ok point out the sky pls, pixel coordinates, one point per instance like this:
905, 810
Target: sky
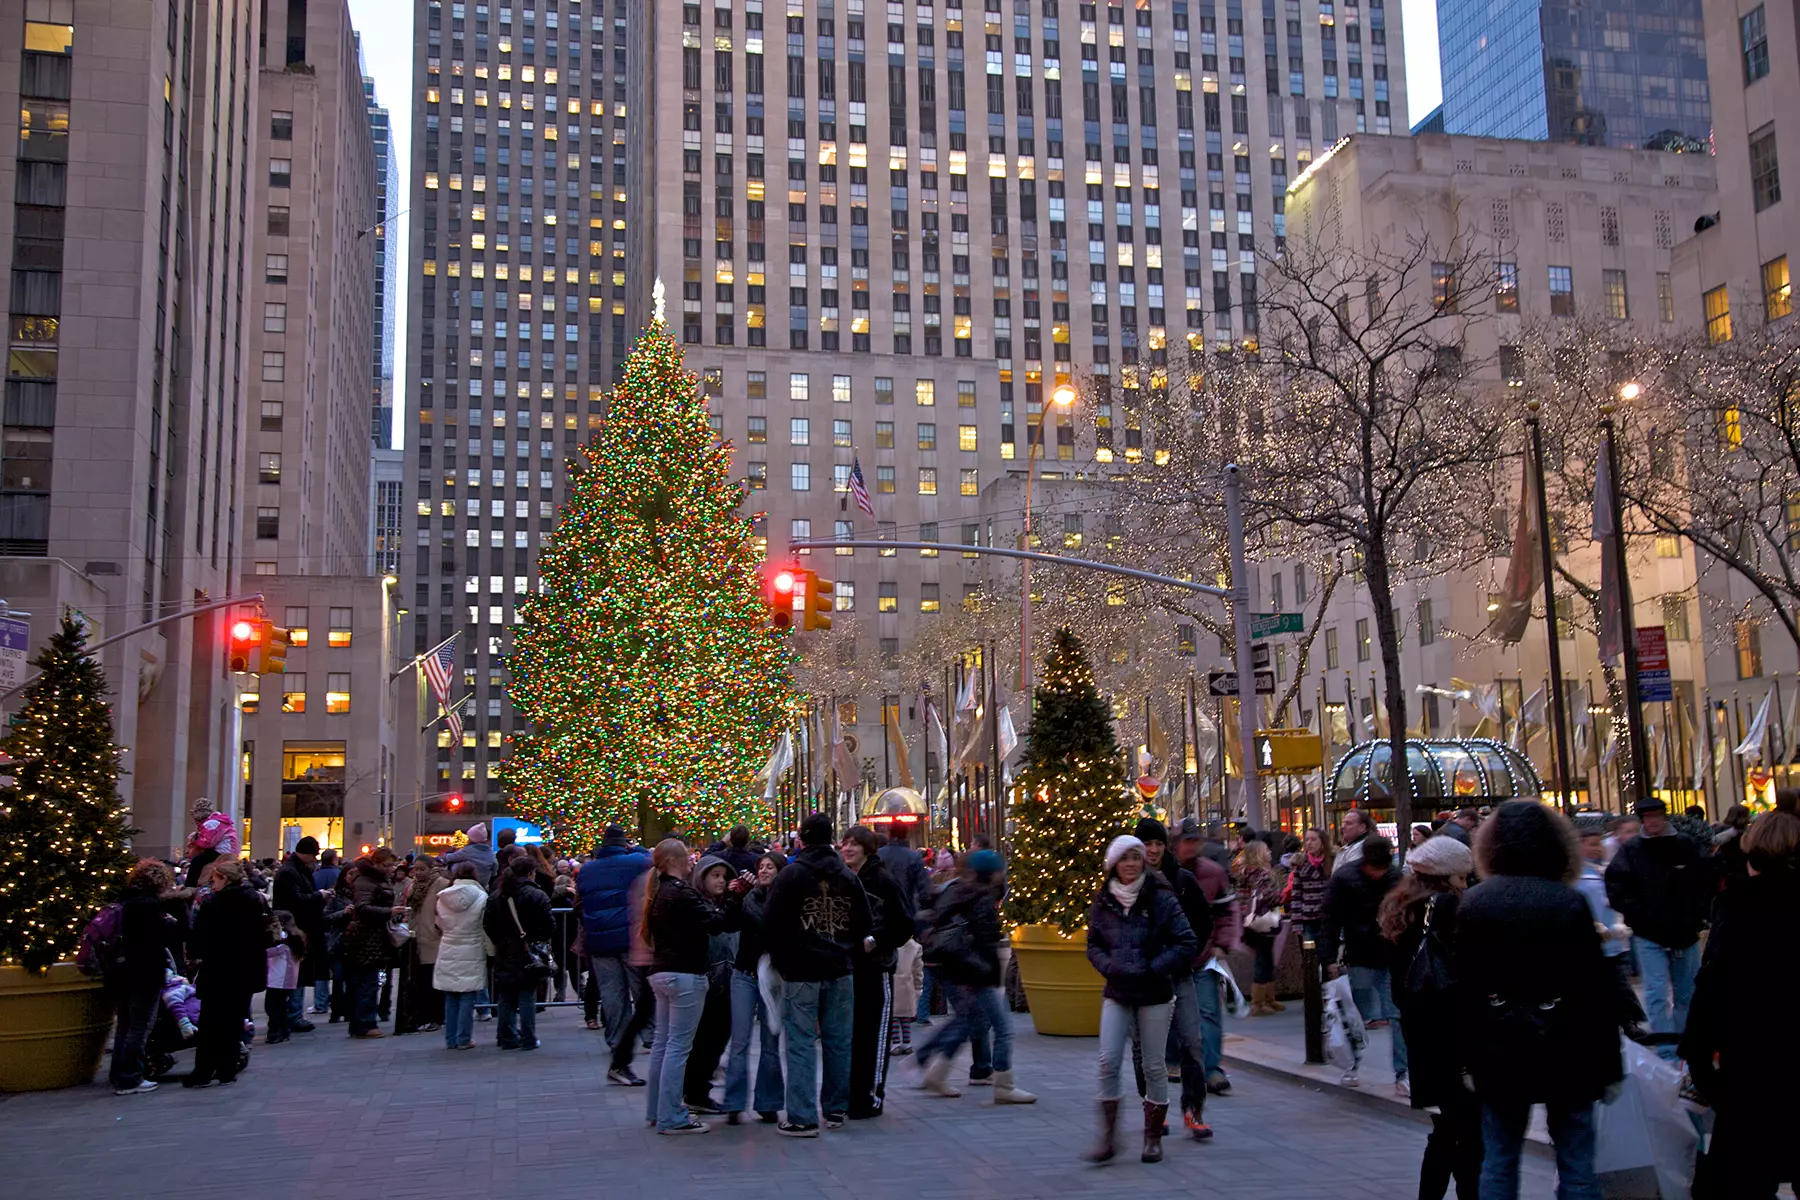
386, 28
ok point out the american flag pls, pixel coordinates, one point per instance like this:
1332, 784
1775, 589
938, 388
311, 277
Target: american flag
437, 666
453, 722
859, 487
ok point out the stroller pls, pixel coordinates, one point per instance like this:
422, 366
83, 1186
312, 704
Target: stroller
177, 1026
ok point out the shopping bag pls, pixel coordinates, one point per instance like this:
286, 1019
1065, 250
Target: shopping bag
1645, 1140
1345, 1035
1231, 996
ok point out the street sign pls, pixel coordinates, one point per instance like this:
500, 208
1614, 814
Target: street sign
1259, 656
15, 645
1264, 625
1288, 750
1225, 683
1653, 665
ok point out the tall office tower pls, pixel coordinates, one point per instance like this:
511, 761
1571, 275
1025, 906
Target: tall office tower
381, 223
971, 205
1627, 73
124, 420
516, 290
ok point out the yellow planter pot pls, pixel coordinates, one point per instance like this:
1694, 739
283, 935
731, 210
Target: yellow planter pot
1060, 984
52, 1028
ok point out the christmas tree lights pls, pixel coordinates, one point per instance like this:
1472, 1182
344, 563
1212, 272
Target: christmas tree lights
1073, 796
62, 829
645, 662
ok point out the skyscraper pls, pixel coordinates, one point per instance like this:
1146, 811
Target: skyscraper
516, 289
381, 223
1627, 73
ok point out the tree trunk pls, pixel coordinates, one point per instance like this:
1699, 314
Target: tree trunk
1387, 634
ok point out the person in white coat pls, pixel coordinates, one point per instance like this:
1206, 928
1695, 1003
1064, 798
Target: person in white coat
461, 969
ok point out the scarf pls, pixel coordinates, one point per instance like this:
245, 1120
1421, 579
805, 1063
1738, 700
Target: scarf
1125, 893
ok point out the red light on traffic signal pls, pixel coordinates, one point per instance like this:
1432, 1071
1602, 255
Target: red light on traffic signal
455, 803
784, 583
243, 631
246, 635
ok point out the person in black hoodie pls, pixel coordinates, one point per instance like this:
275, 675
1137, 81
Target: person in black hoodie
232, 935
746, 902
147, 938
1661, 888
1352, 904
892, 912
1139, 940
1540, 1022
816, 924
517, 914
678, 924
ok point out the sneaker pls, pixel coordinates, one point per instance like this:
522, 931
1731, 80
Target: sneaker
275, 1039
1349, 1078
789, 1129
690, 1127
1218, 1083
769, 1118
622, 1077
734, 1118
1174, 1074
834, 1120
1197, 1129
1378, 1023
1402, 1087
704, 1108
147, 1085
319, 1011
533, 1044
899, 1051
303, 1027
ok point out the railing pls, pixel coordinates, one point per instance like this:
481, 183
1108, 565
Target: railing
566, 979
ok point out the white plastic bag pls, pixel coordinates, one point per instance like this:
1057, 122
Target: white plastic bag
1232, 995
1345, 1035
1645, 1141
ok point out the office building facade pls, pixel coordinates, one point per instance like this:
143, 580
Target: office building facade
383, 227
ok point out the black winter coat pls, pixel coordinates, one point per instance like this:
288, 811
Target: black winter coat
681, 921
1192, 898
1429, 1018
1540, 1023
907, 867
977, 905
1351, 912
148, 937
372, 901
817, 917
296, 893
1142, 951
892, 913
744, 916
231, 940
510, 954
1662, 888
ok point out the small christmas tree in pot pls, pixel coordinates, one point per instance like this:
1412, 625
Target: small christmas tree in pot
1072, 802
63, 855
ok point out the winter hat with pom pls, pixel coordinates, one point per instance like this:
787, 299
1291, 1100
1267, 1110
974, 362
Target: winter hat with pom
1120, 847
1442, 856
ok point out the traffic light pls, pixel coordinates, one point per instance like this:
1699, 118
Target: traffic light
246, 635
816, 603
274, 649
448, 804
780, 586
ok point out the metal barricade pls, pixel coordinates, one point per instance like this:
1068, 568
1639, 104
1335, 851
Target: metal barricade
570, 976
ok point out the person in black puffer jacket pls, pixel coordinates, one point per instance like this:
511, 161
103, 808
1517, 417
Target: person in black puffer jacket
515, 984
892, 913
963, 948
749, 1012
148, 937
1662, 888
373, 902
1540, 1020
1138, 939
678, 924
232, 935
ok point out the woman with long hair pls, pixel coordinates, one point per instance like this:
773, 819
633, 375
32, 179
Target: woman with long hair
148, 938
1304, 894
1257, 898
1418, 917
676, 925
1138, 938
749, 1012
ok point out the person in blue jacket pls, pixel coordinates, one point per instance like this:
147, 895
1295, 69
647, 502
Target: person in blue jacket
604, 885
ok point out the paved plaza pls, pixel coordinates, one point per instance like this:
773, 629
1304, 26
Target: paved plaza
402, 1117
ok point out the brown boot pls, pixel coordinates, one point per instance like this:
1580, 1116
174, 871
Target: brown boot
1274, 1004
1259, 1000
1153, 1131
1106, 1147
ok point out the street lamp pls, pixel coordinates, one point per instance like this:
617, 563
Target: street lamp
1062, 397
1629, 391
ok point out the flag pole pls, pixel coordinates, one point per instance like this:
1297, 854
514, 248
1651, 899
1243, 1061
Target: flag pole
1559, 738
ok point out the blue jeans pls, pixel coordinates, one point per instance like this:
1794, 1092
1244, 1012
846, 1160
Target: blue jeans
515, 1004
1373, 990
459, 1019
927, 985
1503, 1136
296, 1006
1668, 983
974, 1011
1143, 1026
680, 998
750, 1015
817, 1012
321, 990
1212, 1024
364, 986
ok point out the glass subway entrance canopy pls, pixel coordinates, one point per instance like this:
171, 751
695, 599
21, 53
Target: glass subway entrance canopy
1456, 771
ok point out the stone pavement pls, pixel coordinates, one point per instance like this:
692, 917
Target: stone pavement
402, 1117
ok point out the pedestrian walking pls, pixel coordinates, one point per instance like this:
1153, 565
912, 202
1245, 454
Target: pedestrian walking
1137, 939
678, 921
1184, 1054
1310, 874
1538, 1015
1351, 925
1663, 890
460, 971
891, 913
298, 893
1221, 938
232, 932
1418, 919
937, 880
605, 884
1615, 935
148, 938
816, 924
750, 1013
519, 925
1260, 903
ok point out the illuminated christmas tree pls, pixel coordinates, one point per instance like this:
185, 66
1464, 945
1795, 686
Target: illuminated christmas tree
645, 663
62, 829
1073, 796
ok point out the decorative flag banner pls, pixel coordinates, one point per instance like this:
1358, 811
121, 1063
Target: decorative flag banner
859, 487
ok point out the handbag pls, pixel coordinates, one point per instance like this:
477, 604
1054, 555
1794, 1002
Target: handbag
1262, 922
399, 933
1429, 972
948, 943
540, 960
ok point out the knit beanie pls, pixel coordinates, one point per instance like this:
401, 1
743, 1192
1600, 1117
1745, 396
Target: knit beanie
1149, 829
1119, 847
1441, 856
815, 830
478, 832
985, 862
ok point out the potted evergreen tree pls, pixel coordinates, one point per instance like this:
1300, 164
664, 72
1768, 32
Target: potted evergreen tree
1073, 801
63, 855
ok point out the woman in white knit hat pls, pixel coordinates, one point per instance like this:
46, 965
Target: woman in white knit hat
1138, 939
1418, 916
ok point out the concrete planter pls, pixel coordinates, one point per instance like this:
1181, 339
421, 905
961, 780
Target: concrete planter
52, 1028
1061, 986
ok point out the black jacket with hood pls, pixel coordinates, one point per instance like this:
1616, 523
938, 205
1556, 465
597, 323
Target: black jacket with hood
816, 918
1142, 951
977, 905
682, 923
891, 912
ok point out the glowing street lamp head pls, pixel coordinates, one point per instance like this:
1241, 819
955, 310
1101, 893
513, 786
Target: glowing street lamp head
1630, 391
1063, 396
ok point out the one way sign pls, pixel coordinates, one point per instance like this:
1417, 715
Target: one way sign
1225, 683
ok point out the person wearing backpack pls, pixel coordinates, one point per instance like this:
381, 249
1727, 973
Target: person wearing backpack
1538, 1014
135, 958
1418, 919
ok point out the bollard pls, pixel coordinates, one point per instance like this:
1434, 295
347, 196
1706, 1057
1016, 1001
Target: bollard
1314, 1001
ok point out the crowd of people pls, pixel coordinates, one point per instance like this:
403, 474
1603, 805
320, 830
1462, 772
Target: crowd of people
1506, 953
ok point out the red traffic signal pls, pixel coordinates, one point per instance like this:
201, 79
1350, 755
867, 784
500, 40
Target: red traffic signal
455, 803
246, 636
780, 587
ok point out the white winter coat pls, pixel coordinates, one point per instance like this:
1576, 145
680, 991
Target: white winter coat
462, 954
